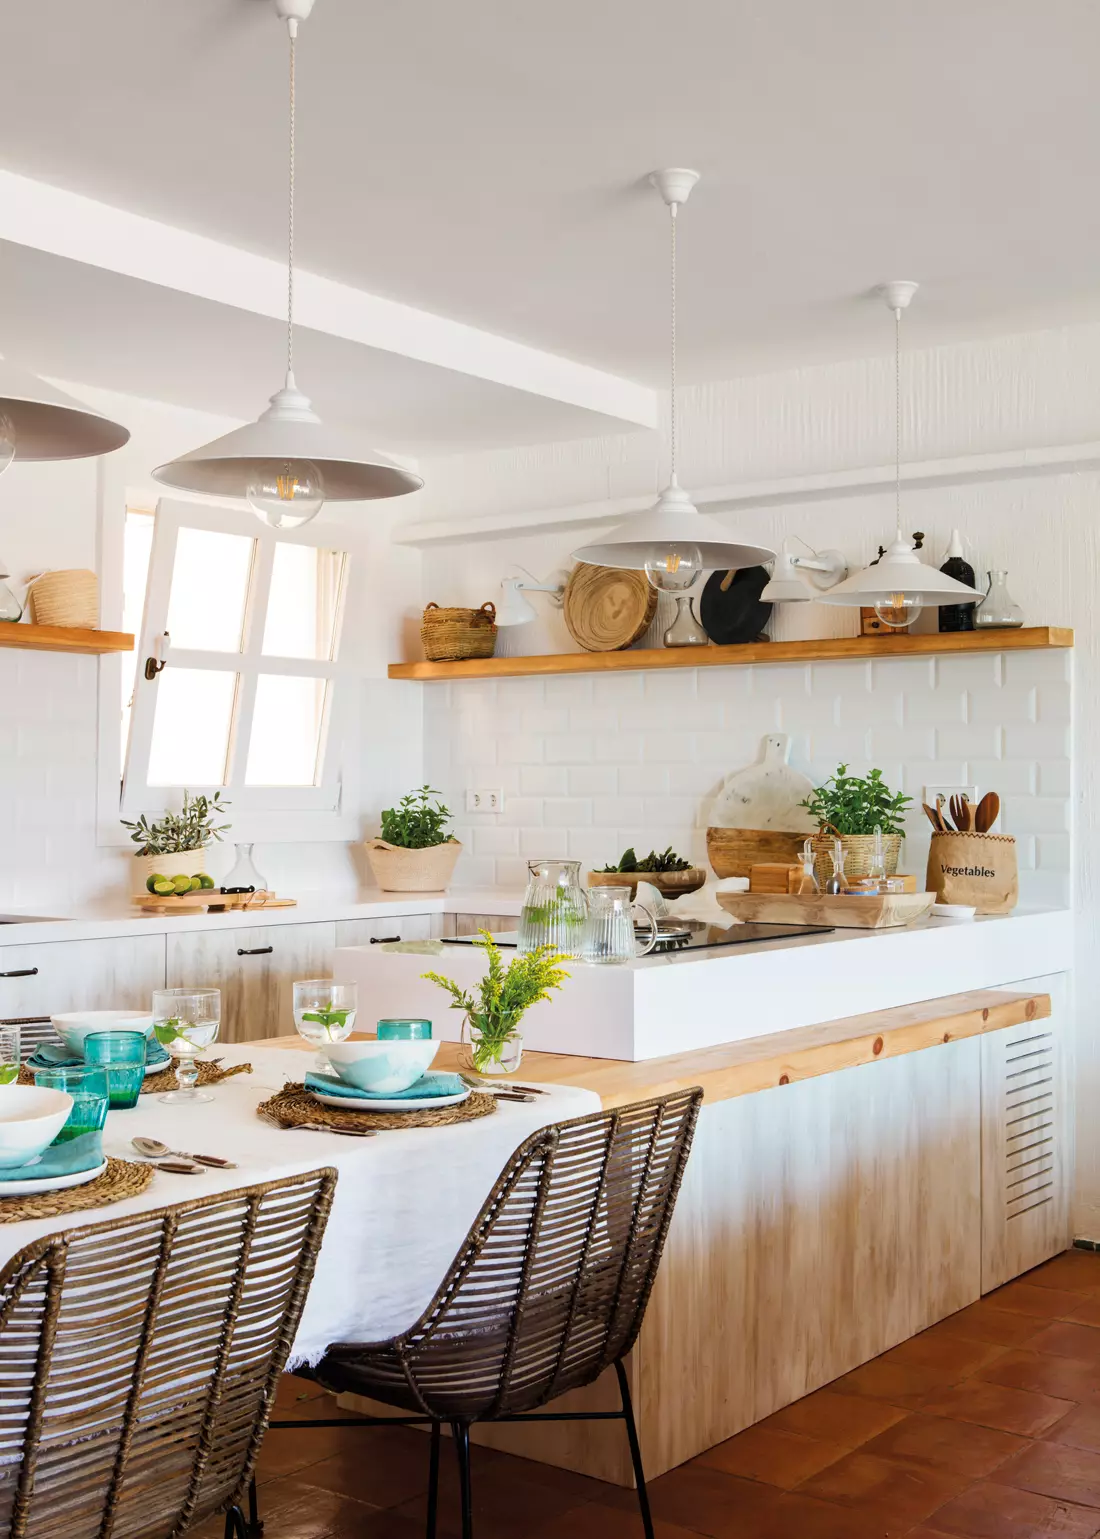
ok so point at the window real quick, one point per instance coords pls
(246, 621)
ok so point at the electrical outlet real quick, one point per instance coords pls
(947, 792)
(484, 801)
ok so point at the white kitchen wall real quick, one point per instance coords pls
(589, 765)
(69, 515)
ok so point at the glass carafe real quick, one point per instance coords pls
(998, 610)
(609, 933)
(244, 873)
(555, 907)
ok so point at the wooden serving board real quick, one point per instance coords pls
(193, 902)
(896, 908)
(607, 608)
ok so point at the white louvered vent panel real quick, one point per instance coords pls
(1030, 1130)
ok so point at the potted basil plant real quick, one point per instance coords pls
(414, 852)
(490, 1030)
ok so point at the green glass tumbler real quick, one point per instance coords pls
(404, 1030)
(122, 1055)
(88, 1088)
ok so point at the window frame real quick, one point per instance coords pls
(327, 810)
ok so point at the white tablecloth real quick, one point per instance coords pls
(404, 1200)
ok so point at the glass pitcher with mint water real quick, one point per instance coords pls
(555, 907)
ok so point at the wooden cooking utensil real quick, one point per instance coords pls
(933, 817)
(962, 814)
(987, 813)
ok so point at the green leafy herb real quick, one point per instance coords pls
(8, 1073)
(856, 806)
(176, 832)
(416, 822)
(327, 1018)
(170, 1031)
(503, 995)
(668, 860)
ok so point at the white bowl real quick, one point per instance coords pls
(381, 1067)
(74, 1027)
(31, 1117)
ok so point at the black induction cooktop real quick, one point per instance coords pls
(689, 935)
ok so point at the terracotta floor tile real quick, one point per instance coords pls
(997, 1405)
(777, 1458)
(1046, 1375)
(900, 1384)
(983, 1321)
(706, 1501)
(1080, 1428)
(596, 1521)
(906, 1493)
(292, 1509)
(293, 1391)
(1061, 1339)
(795, 1516)
(846, 1419)
(989, 1511)
(954, 1355)
(1086, 1311)
(1073, 1269)
(934, 1443)
(295, 1449)
(1052, 1469)
(1027, 1298)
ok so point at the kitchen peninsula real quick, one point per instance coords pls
(886, 1135)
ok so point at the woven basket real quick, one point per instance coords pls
(397, 869)
(859, 851)
(66, 598)
(452, 635)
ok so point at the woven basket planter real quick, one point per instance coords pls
(453, 635)
(397, 869)
(182, 863)
(66, 598)
(859, 852)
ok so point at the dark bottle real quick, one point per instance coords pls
(957, 617)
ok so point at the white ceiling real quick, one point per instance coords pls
(484, 162)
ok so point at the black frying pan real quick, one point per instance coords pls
(731, 609)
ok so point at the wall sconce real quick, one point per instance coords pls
(514, 609)
(824, 569)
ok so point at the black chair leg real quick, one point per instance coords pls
(460, 1432)
(235, 1525)
(433, 1480)
(254, 1528)
(635, 1451)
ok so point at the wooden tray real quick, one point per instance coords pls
(606, 608)
(847, 913)
(193, 902)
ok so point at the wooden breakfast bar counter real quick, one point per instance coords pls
(851, 1183)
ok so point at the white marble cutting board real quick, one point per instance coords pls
(765, 795)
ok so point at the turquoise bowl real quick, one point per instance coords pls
(380, 1067)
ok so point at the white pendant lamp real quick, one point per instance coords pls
(288, 463)
(38, 422)
(825, 569)
(899, 585)
(673, 543)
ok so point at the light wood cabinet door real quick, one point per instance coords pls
(365, 932)
(48, 978)
(255, 970)
(469, 924)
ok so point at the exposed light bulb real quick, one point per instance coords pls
(673, 568)
(7, 443)
(899, 610)
(286, 493)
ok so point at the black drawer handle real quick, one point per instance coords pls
(22, 972)
(383, 940)
(257, 951)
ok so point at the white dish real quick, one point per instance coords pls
(376, 1103)
(31, 1116)
(381, 1067)
(28, 1187)
(952, 911)
(77, 1024)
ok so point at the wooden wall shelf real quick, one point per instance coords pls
(852, 648)
(64, 638)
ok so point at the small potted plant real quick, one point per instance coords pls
(175, 846)
(414, 853)
(490, 1030)
(851, 807)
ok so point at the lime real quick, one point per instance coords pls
(151, 881)
(196, 883)
(181, 885)
(163, 887)
(206, 882)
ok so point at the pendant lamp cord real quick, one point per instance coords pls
(672, 405)
(290, 229)
(897, 418)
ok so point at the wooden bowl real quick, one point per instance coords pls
(670, 884)
(734, 851)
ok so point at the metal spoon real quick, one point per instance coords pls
(153, 1149)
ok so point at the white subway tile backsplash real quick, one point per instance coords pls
(496, 841)
(934, 708)
(964, 742)
(512, 748)
(612, 812)
(1002, 707)
(888, 742)
(567, 748)
(543, 780)
(568, 691)
(1038, 742)
(669, 747)
(969, 670)
(545, 719)
(618, 748)
(1053, 779)
(644, 779)
(618, 689)
(568, 812)
(1034, 815)
(1016, 776)
(593, 780)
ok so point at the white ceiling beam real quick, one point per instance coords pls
(67, 224)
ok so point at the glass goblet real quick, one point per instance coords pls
(185, 1022)
(324, 1011)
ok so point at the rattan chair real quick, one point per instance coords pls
(139, 1361)
(548, 1290)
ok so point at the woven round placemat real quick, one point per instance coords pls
(209, 1074)
(120, 1180)
(294, 1105)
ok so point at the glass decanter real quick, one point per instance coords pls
(998, 610)
(244, 873)
(555, 907)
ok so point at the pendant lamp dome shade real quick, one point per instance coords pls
(47, 424)
(289, 430)
(900, 571)
(675, 521)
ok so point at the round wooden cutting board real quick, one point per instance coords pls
(607, 608)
